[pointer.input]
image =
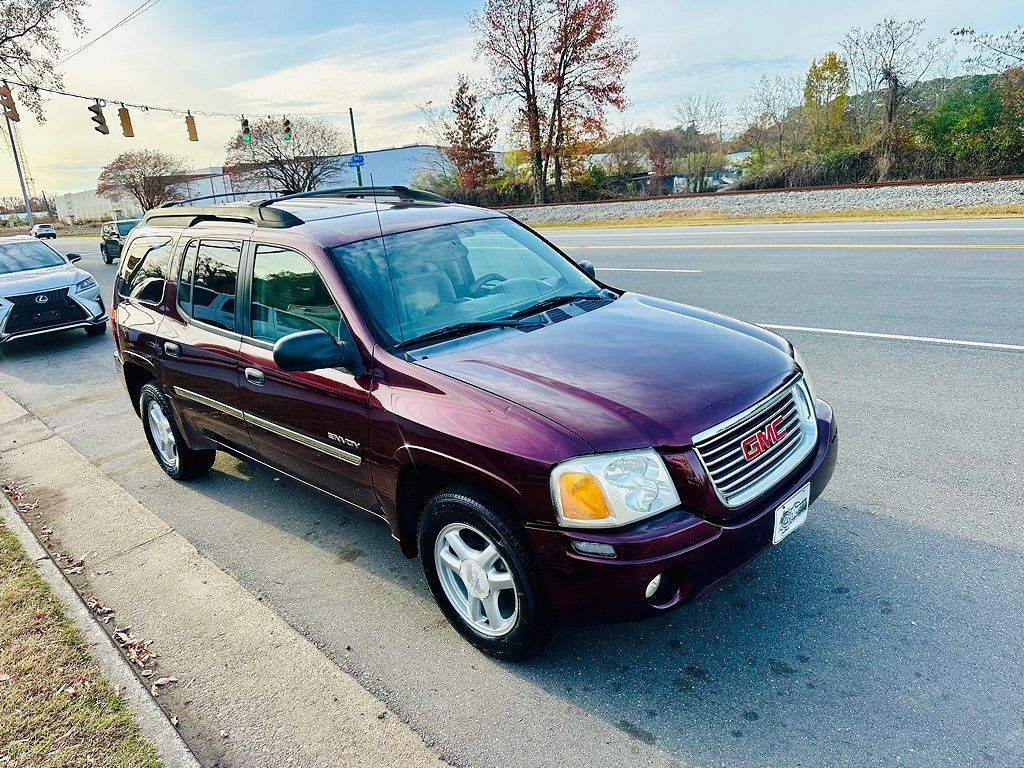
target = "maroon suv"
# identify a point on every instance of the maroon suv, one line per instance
(552, 447)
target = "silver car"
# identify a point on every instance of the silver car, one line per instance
(42, 291)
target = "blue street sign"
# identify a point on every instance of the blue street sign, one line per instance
(355, 161)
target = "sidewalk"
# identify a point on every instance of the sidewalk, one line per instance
(249, 690)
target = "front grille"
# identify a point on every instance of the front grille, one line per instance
(748, 454)
(28, 314)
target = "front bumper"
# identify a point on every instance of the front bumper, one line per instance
(90, 302)
(693, 554)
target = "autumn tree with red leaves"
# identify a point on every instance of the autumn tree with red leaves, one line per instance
(563, 63)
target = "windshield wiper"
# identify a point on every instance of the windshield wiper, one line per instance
(459, 329)
(554, 301)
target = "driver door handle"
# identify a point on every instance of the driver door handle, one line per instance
(254, 376)
(171, 349)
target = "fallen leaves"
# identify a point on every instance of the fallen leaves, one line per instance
(97, 607)
(5, 678)
(136, 649)
(161, 683)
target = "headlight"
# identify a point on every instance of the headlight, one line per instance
(612, 489)
(85, 285)
(799, 359)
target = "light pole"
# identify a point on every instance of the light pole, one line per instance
(355, 145)
(21, 175)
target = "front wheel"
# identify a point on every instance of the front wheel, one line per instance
(482, 573)
(168, 446)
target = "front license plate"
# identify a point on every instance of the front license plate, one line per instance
(46, 317)
(791, 513)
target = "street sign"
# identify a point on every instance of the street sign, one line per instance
(356, 160)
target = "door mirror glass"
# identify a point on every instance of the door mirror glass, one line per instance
(588, 267)
(73, 257)
(311, 351)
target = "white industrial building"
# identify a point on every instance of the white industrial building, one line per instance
(386, 167)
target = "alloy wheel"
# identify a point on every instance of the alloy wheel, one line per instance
(476, 579)
(163, 435)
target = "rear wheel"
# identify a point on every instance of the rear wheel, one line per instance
(103, 253)
(174, 456)
(482, 573)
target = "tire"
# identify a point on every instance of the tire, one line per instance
(523, 618)
(96, 330)
(103, 253)
(171, 452)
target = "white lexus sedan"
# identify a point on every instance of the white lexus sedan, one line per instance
(42, 291)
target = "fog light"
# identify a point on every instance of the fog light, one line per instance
(593, 548)
(653, 586)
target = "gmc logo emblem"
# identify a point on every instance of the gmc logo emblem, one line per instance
(762, 440)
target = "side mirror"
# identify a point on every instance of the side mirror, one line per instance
(311, 351)
(588, 267)
(73, 257)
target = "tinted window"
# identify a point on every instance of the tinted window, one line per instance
(213, 282)
(27, 254)
(188, 268)
(124, 227)
(288, 295)
(144, 269)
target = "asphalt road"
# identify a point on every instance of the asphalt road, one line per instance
(887, 631)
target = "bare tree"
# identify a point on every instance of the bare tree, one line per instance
(776, 120)
(995, 52)
(702, 116)
(29, 45)
(147, 176)
(314, 153)
(892, 55)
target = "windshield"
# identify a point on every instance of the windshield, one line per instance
(124, 227)
(417, 282)
(27, 254)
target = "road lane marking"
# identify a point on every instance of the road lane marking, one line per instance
(800, 246)
(899, 337)
(649, 269)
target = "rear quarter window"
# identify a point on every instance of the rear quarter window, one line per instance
(144, 269)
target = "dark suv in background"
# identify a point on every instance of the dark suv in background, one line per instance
(112, 237)
(553, 449)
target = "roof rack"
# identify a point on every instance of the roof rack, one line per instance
(232, 195)
(405, 194)
(262, 213)
(248, 213)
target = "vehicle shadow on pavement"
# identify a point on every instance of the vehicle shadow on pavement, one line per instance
(859, 640)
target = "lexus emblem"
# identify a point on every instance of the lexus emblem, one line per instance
(762, 440)
(42, 298)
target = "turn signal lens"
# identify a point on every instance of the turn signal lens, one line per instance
(582, 498)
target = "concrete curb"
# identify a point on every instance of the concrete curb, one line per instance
(148, 716)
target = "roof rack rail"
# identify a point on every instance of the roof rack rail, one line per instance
(262, 192)
(244, 213)
(405, 194)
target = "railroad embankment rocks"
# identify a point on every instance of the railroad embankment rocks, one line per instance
(895, 197)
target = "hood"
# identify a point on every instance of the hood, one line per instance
(37, 280)
(638, 372)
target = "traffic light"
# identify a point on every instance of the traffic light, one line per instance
(98, 118)
(287, 129)
(126, 122)
(246, 135)
(7, 102)
(190, 125)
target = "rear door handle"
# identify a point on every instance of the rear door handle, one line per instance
(172, 349)
(255, 377)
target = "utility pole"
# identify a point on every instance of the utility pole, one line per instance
(355, 145)
(21, 176)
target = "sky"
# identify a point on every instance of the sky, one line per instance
(386, 60)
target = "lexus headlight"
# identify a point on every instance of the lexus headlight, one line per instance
(799, 359)
(612, 489)
(85, 285)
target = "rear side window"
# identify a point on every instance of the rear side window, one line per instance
(144, 269)
(209, 275)
(288, 295)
